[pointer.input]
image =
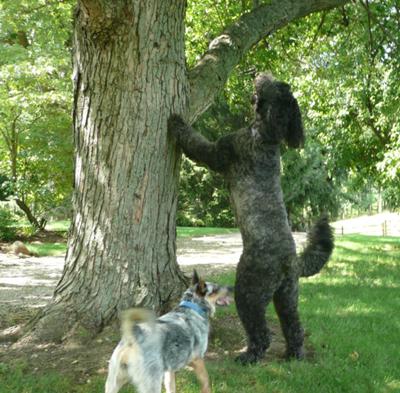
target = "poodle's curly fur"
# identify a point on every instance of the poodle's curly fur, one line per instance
(268, 269)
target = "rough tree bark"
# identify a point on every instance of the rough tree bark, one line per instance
(129, 74)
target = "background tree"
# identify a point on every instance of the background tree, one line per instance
(203, 195)
(343, 66)
(35, 124)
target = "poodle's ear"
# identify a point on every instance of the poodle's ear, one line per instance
(287, 117)
(295, 133)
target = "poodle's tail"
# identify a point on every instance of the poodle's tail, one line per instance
(320, 243)
(131, 317)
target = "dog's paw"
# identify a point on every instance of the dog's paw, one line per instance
(296, 354)
(246, 358)
(175, 124)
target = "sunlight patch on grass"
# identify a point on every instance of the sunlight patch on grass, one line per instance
(357, 308)
(48, 249)
(59, 226)
(392, 386)
(350, 245)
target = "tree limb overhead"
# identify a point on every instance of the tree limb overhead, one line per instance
(210, 74)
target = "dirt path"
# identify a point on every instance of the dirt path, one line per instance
(383, 224)
(28, 283)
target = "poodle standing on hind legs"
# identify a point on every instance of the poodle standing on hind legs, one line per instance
(268, 269)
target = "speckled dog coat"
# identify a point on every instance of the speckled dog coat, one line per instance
(154, 348)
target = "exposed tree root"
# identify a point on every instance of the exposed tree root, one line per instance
(11, 334)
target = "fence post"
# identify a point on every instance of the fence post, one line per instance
(384, 228)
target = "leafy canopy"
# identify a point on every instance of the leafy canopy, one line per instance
(35, 96)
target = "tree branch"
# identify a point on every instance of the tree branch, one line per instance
(373, 51)
(211, 72)
(92, 8)
(9, 138)
(386, 33)
(6, 138)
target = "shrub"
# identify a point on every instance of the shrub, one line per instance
(8, 225)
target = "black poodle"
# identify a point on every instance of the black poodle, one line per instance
(268, 269)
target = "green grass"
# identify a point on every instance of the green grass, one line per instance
(351, 313)
(203, 231)
(351, 316)
(48, 249)
(58, 226)
(63, 226)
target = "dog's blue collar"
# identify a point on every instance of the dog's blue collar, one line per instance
(194, 307)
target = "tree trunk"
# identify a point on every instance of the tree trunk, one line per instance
(12, 141)
(28, 212)
(129, 74)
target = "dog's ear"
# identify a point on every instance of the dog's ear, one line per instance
(295, 132)
(287, 117)
(195, 277)
(201, 288)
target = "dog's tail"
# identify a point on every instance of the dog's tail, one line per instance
(131, 317)
(320, 243)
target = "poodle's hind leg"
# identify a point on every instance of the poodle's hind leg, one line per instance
(252, 298)
(286, 303)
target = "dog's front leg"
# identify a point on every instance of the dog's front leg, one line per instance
(202, 375)
(169, 382)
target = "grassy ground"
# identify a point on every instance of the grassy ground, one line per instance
(58, 226)
(352, 321)
(63, 226)
(48, 249)
(203, 231)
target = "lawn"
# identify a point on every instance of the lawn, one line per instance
(351, 316)
(63, 226)
(48, 249)
(203, 231)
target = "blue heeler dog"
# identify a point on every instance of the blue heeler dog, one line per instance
(152, 349)
(249, 160)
